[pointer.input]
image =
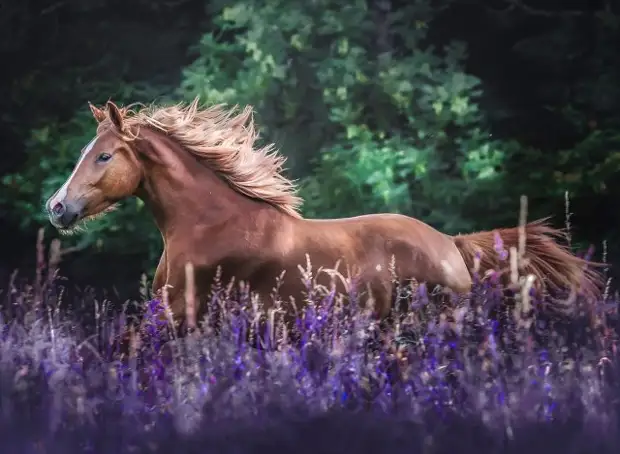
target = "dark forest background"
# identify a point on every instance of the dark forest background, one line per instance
(447, 110)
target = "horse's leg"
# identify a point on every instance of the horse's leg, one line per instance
(381, 289)
(123, 340)
(161, 274)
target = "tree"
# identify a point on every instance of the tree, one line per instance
(388, 122)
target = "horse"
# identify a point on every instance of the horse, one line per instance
(223, 204)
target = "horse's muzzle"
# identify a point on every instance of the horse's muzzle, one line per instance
(64, 215)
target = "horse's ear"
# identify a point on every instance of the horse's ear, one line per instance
(116, 115)
(98, 113)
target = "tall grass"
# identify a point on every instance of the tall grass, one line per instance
(483, 373)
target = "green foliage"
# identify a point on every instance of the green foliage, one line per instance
(388, 122)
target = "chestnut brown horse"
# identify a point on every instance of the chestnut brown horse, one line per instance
(220, 201)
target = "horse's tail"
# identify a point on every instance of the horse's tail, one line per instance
(551, 263)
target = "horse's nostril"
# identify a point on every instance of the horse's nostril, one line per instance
(58, 209)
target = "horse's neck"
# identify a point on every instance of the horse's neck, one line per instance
(182, 194)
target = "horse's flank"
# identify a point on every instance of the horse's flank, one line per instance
(248, 224)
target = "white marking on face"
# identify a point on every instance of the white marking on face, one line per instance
(62, 192)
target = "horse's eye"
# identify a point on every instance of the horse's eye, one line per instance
(104, 157)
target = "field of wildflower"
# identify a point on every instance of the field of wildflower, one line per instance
(486, 373)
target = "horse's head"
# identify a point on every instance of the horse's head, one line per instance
(107, 171)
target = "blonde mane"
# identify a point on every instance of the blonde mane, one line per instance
(225, 141)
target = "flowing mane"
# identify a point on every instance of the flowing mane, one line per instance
(225, 140)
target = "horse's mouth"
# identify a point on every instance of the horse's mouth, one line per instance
(66, 229)
(78, 224)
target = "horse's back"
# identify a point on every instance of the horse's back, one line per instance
(418, 250)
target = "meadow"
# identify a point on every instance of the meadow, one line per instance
(488, 373)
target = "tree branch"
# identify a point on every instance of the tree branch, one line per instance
(519, 5)
(382, 10)
(84, 244)
(50, 9)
